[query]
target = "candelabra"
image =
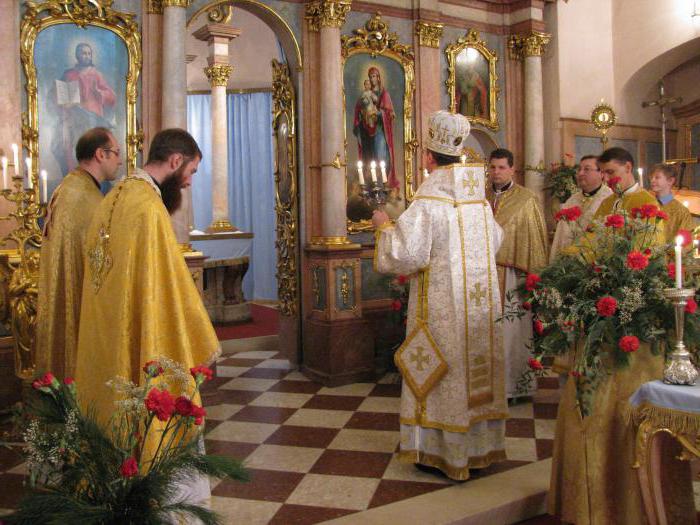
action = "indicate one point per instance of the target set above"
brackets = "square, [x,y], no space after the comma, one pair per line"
[375,192]
[22,269]
[679,370]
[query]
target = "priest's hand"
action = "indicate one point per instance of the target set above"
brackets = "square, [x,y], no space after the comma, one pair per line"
[379,217]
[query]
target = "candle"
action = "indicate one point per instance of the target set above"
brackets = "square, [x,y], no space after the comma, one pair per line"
[463,159]
[4,172]
[45,186]
[359,173]
[15,158]
[373,171]
[28,160]
[679,267]
[696,244]
[425,173]
[640,172]
[382,166]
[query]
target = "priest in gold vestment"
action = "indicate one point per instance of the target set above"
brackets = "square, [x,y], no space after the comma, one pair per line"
[70,210]
[453,405]
[139,299]
[679,218]
[593,481]
[524,250]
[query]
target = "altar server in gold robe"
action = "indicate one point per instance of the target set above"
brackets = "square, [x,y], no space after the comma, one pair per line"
[453,405]
[70,210]
[524,250]
[592,192]
[139,299]
[662,179]
[593,481]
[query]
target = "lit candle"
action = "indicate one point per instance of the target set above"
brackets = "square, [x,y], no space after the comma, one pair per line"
[686,203]
[4,172]
[373,171]
[15,158]
[640,172]
[679,267]
[696,244]
[45,186]
[359,173]
[463,159]
[382,167]
[28,160]
[425,173]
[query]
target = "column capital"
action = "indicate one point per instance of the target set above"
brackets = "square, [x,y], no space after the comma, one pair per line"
[429,33]
[216,33]
[530,45]
[218,74]
[176,3]
[326,13]
[154,7]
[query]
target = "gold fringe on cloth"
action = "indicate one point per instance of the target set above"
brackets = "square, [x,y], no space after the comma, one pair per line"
[675,420]
[452,472]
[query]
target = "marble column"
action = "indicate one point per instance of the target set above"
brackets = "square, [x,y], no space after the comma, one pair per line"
[174,97]
[530,48]
[219,36]
[327,17]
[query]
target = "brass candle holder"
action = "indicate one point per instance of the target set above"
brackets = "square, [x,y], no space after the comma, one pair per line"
[679,369]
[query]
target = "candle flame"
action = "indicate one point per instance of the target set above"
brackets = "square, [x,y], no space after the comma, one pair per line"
[372,164]
[679,240]
[359,164]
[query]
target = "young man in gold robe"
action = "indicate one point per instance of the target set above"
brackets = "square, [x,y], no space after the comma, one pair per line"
[453,405]
[61,269]
[139,299]
[593,481]
[524,250]
[679,218]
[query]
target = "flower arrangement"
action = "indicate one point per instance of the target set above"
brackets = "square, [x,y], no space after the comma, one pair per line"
[399,302]
[604,295]
[561,179]
[81,472]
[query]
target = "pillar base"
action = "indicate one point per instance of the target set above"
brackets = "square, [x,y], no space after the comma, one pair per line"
[221,225]
[329,241]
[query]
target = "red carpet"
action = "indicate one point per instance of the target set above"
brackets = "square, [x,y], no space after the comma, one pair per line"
[265,322]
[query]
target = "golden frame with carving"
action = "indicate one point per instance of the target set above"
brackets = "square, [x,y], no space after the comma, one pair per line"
[472,41]
[83,13]
[374,39]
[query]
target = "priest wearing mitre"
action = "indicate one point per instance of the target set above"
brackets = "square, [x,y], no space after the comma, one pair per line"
[523,251]
[453,405]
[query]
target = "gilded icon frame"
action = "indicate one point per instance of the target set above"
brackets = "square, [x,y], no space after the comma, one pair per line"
[82,13]
[375,40]
[461,48]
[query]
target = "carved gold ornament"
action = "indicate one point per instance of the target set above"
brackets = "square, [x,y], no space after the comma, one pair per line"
[286,206]
[176,3]
[327,13]
[472,41]
[429,33]
[376,39]
[218,74]
[532,45]
[603,118]
[154,7]
[220,14]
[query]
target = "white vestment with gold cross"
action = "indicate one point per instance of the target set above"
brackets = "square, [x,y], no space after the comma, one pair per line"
[453,402]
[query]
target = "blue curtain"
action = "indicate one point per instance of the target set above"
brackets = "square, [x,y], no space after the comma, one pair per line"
[250,177]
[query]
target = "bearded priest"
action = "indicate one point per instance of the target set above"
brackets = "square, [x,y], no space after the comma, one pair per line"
[139,299]
[453,405]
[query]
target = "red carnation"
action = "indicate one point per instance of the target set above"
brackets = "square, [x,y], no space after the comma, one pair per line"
[527,305]
[661,215]
[129,468]
[152,369]
[535,364]
[691,306]
[198,414]
[201,373]
[161,403]
[687,236]
[183,406]
[615,221]
[402,279]
[596,268]
[68,381]
[572,213]
[636,260]
[606,306]
[575,373]
[648,211]
[671,267]
[538,326]
[36,385]
[613,182]
[628,343]
[531,281]
[396,305]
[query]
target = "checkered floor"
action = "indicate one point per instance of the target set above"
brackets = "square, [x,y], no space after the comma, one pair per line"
[317,453]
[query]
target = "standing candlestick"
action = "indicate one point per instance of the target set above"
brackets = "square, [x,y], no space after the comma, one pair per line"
[359,173]
[640,172]
[28,160]
[373,171]
[382,167]
[4,173]
[15,159]
[679,369]
[44,186]
[679,267]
